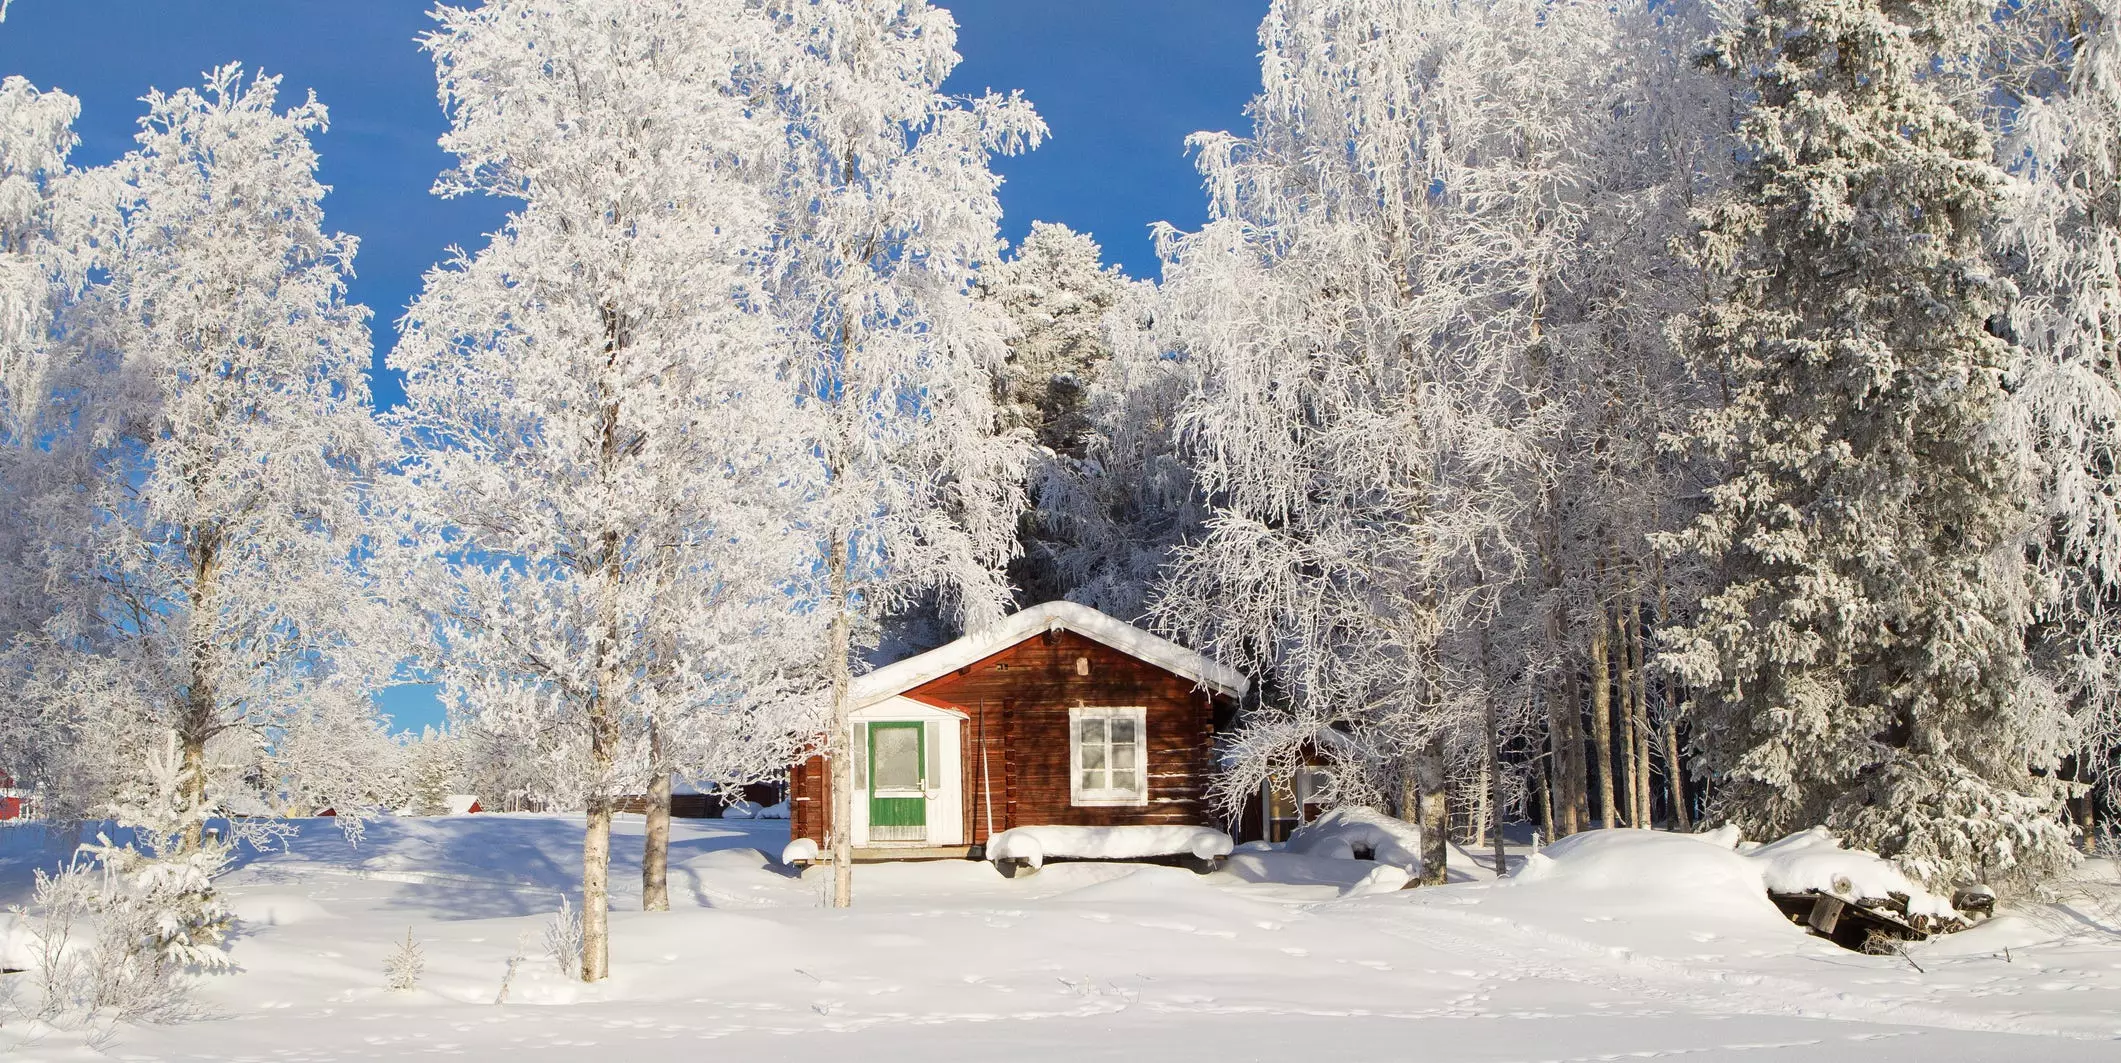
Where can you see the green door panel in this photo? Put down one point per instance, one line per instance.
(898, 802)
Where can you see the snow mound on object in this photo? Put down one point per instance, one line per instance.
(799, 851)
(1814, 860)
(1033, 845)
(1356, 878)
(1342, 832)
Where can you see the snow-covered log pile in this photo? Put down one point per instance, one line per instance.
(1717, 870)
(1813, 861)
(1360, 833)
(1033, 846)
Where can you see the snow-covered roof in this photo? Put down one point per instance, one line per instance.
(901, 676)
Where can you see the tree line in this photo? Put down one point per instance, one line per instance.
(1563, 399)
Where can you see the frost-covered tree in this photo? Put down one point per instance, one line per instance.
(1111, 517)
(885, 210)
(202, 549)
(1056, 290)
(596, 428)
(1861, 660)
(38, 273)
(1404, 256)
(2059, 230)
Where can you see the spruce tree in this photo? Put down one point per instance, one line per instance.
(1860, 659)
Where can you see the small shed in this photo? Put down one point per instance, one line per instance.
(11, 798)
(1058, 715)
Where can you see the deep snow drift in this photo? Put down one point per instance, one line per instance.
(1616, 944)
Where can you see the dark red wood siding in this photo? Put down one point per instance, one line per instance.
(1017, 705)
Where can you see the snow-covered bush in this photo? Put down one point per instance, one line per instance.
(93, 952)
(563, 940)
(403, 967)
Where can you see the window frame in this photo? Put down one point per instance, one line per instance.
(1108, 797)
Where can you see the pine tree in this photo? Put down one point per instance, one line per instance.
(1860, 661)
(1056, 290)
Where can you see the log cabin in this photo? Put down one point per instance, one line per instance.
(1059, 715)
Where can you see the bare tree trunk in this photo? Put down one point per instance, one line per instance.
(1624, 716)
(1602, 719)
(201, 708)
(1546, 803)
(1645, 791)
(1495, 800)
(596, 844)
(1494, 751)
(1675, 770)
(1477, 823)
(1561, 820)
(655, 843)
(1579, 758)
(840, 745)
(1431, 779)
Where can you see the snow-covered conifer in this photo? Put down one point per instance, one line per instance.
(1111, 517)
(1861, 659)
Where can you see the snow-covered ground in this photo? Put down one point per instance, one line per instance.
(1625, 945)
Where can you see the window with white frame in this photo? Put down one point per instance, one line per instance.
(1108, 756)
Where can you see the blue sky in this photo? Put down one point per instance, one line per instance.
(1121, 83)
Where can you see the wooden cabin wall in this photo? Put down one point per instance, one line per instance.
(1019, 699)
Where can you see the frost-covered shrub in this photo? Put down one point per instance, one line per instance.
(563, 940)
(403, 967)
(95, 955)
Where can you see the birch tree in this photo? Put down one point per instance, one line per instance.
(1359, 427)
(203, 556)
(2058, 117)
(594, 418)
(1861, 660)
(885, 210)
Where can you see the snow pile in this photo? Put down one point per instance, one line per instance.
(1348, 878)
(799, 851)
(1345, 832)
(747, 810)
(1652, 870)
(1033, 845)
(1814, 860)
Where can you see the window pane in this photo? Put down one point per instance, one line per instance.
(1126, 780)
(1093, 780)
(898, 758)
(1091, 731)
(1123, 756)
(1123, 730)
(1093, 756)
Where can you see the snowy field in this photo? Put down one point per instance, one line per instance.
(1628, 946)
